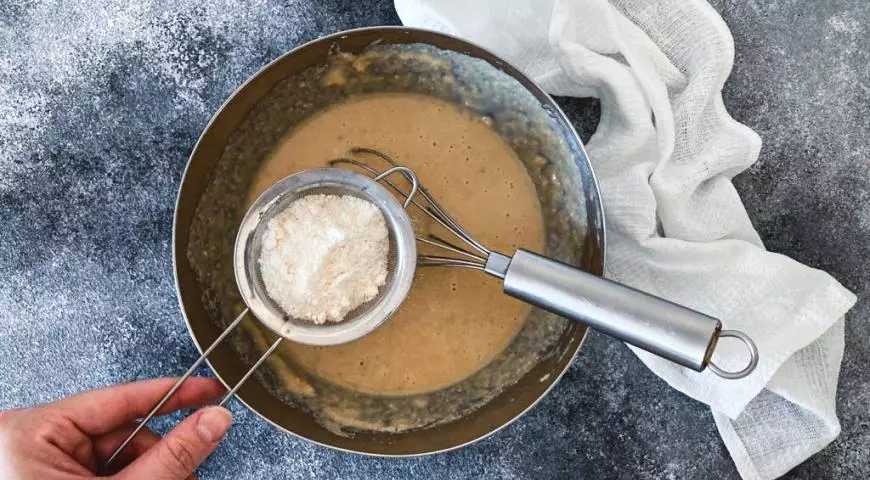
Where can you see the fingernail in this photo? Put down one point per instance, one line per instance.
(213, 423)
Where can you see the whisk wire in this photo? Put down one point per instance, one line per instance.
(440, 212)
(438, 261)
(433, 210)
(441, 243)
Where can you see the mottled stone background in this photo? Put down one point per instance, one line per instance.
(101, 102)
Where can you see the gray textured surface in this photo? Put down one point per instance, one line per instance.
(100, 103)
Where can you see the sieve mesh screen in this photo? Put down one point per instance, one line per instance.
(401, 258)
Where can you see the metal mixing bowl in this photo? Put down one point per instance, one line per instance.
(225, 362)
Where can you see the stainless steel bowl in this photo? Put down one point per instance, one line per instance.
(229, 368)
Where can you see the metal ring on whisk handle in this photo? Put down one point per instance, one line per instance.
(753, 356)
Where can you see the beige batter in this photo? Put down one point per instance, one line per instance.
(454, 321)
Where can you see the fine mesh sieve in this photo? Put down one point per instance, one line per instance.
(401, 263)
(363, 319)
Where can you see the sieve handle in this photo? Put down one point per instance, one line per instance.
(671, 331)
(169, 393)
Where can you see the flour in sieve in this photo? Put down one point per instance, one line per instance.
(324, 255)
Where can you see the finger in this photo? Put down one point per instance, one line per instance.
(101, 411)
(105, 445)
(183, 449)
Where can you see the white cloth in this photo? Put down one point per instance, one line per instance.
(665, 152)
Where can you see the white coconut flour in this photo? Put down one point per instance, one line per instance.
(324, 255)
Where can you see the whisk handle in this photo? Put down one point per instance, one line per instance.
(664, 328)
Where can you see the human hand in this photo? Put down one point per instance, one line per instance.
(71, 438)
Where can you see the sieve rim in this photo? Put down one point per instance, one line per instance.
(266, 311)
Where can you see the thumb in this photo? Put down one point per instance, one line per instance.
(178, 454)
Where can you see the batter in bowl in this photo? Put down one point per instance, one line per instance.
(454, 321)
